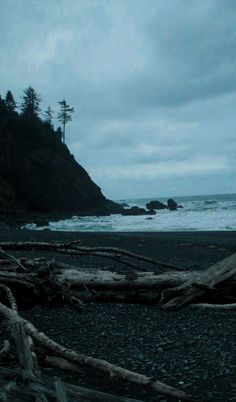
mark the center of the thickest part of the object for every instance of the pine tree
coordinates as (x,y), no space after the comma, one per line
(64,116)
(48,114)
(30,104)
(10,102)
(59,133)
(3,107)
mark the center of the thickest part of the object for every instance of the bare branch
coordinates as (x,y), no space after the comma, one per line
(10,297)
(72,249)
(11,257)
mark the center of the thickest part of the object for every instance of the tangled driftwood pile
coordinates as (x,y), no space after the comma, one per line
(146,281)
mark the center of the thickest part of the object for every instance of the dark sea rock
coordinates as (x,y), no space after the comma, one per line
(155,205)
(124,204)
(172,204)
(150,212)
(134,211)
(96,212)
(138,211)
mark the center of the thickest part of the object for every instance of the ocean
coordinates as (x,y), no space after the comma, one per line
(199,213)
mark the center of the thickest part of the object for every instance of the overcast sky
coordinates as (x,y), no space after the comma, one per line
(153,84)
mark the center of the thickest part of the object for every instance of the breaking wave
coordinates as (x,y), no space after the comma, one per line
(199,213)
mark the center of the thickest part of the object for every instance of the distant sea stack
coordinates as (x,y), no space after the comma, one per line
(171,205)
(39,175)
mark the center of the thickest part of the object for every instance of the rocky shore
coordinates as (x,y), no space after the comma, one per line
(193,349)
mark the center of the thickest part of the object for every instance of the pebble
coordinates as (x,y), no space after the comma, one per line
(121,337)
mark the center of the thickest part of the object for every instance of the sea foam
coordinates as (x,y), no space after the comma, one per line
(212,212)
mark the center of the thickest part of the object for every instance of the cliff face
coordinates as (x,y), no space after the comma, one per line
(38,173)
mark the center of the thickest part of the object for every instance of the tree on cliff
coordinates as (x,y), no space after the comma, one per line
(59,133)
(2,107)
(64,116)
(30,104)
(10,102)
(48,114)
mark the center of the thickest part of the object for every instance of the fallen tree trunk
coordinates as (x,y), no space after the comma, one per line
(220,274)
(106,279)
(170,289)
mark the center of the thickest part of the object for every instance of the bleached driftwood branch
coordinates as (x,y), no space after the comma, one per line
(172,289)
(73,249)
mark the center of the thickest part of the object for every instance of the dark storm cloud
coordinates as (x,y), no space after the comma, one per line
(153,84)
(191,54)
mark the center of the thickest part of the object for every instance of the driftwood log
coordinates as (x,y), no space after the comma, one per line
(144,281)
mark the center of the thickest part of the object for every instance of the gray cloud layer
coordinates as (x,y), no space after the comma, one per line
(153,84)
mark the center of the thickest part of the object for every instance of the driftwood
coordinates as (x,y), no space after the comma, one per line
(171,289)
(73,249)
(46,389)
(27,383)
(210,281)
(56,282)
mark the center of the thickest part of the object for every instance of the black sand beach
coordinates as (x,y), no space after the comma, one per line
(193,349)
(186,249)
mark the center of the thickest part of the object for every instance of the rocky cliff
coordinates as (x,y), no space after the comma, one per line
(39,175)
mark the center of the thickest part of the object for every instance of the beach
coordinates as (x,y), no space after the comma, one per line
(193,349)
(187,249)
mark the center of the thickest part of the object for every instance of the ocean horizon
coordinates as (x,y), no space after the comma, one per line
(213,212)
